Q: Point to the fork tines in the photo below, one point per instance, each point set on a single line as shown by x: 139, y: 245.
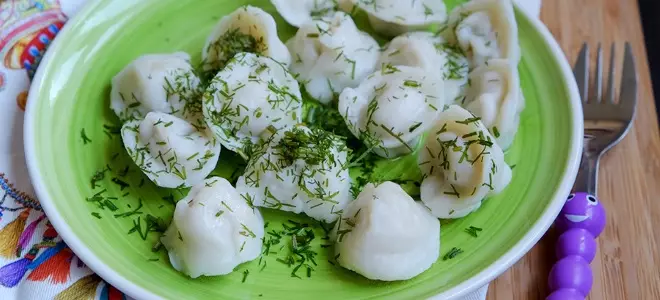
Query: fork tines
x: 627, y: 97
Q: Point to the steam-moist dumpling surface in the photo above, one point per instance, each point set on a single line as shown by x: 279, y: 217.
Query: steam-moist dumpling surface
x: 432, y: 53
x: 385, y: 235
x: 486, y: 29
x: 462, y: 164
x: 300, y: 170
x: 394, y: 17
x: 299, y: 12
x: 330, y: 54
x: 247, y: 29
x: 495, y: 96
x: 157, y: 83
x: 169, y: 150
x: 392, y: 108
x: 213, y: 230
x: 252, y: 93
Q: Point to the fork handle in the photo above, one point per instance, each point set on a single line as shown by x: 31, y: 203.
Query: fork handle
x: 580, y: 221
x: 587, y: 177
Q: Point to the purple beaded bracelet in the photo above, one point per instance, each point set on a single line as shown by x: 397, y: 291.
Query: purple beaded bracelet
x: 580, y: 222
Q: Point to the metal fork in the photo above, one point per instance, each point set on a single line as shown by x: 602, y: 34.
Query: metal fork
x: 582, y: 218
x: 605, y: 122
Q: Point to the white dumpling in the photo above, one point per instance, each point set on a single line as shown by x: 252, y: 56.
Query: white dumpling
x: 432, y: 53
x: 299, y: 12
x: 486, y: 29
x: 252, y: 93
x: 159, y: 83
x: 213, y: 230
x: 170, y: 151
x: 392, y: 108
x: 495, y: 96
x: 462, y: 164
x: 394, y: 17
x: 331, y: 54
x: 385, y: 235
x: 247, y: 29
x: 300, y: 170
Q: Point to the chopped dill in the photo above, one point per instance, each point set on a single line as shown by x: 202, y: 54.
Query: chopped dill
x: 473, y: 231
x: 84, y: 137
x: 245, y: 275
x: 496, y: 132
x: 98, y: 176
x: 452, y: 253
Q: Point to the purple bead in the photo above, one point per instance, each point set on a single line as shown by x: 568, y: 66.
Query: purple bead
x: 582, y: 211
x: 576, y: 241
x: 565, y: 294
x: 571, y: 272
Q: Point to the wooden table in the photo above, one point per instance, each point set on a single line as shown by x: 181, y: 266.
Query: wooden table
x: 627, y: 265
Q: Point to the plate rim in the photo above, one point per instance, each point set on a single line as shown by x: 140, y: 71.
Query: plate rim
x: 482, y: 278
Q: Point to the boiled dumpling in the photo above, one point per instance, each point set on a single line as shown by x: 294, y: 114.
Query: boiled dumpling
x: 299, y: 12
x: 385, y: 235
x: 331, y: 54
x: 159, y: 83
x: 486, y: 29
x: 213, y: 230
x: 247, y: 29
x: 300, y: 170
x: 496, y: 98
x: 462, y: 164
x: 392, y: 108
x: 432, y: 53
x: 252, y: 93
x: 394, y: 17
x: 170, y: 151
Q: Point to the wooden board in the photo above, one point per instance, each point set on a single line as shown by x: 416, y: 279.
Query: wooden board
x: 627, y: 265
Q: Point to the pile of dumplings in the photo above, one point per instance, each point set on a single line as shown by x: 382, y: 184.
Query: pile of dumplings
x: 451, y: 96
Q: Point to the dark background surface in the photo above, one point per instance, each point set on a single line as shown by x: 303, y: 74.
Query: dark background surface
x: 650, y: 13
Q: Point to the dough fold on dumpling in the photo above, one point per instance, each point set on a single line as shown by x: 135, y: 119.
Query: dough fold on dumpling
x: 157, y: 83
x: 392, y: 108
x: 435, y: 55
x: 247, y: 29
x: 252, y: 93
x: 385, y: 235
x: 462, y: 164
x: 299, y: 12
x: 330, y: 54
x: 300, y: 170
x: 170, y: 151
x: 485, y: 29
x: 394, y: 17
x: 213, y: 230
x: 495, y: 96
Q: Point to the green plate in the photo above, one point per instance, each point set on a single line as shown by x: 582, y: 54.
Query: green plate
x: 71, y: 93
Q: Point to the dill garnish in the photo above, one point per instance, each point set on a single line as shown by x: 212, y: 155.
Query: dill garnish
x: 473, y: 231
x: 452, y: 253
x: 496, y: 132
x: 245, y: 275
x: 469, y: 120
x: 297, y: 238
x: 133, y: 212
x: 122, y: 184
x: 84, y: 137
x: 414, y: 126
x: 454, y: 192
x: 97, y: 215
x: 229, y: 44
x: 98, y: 176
